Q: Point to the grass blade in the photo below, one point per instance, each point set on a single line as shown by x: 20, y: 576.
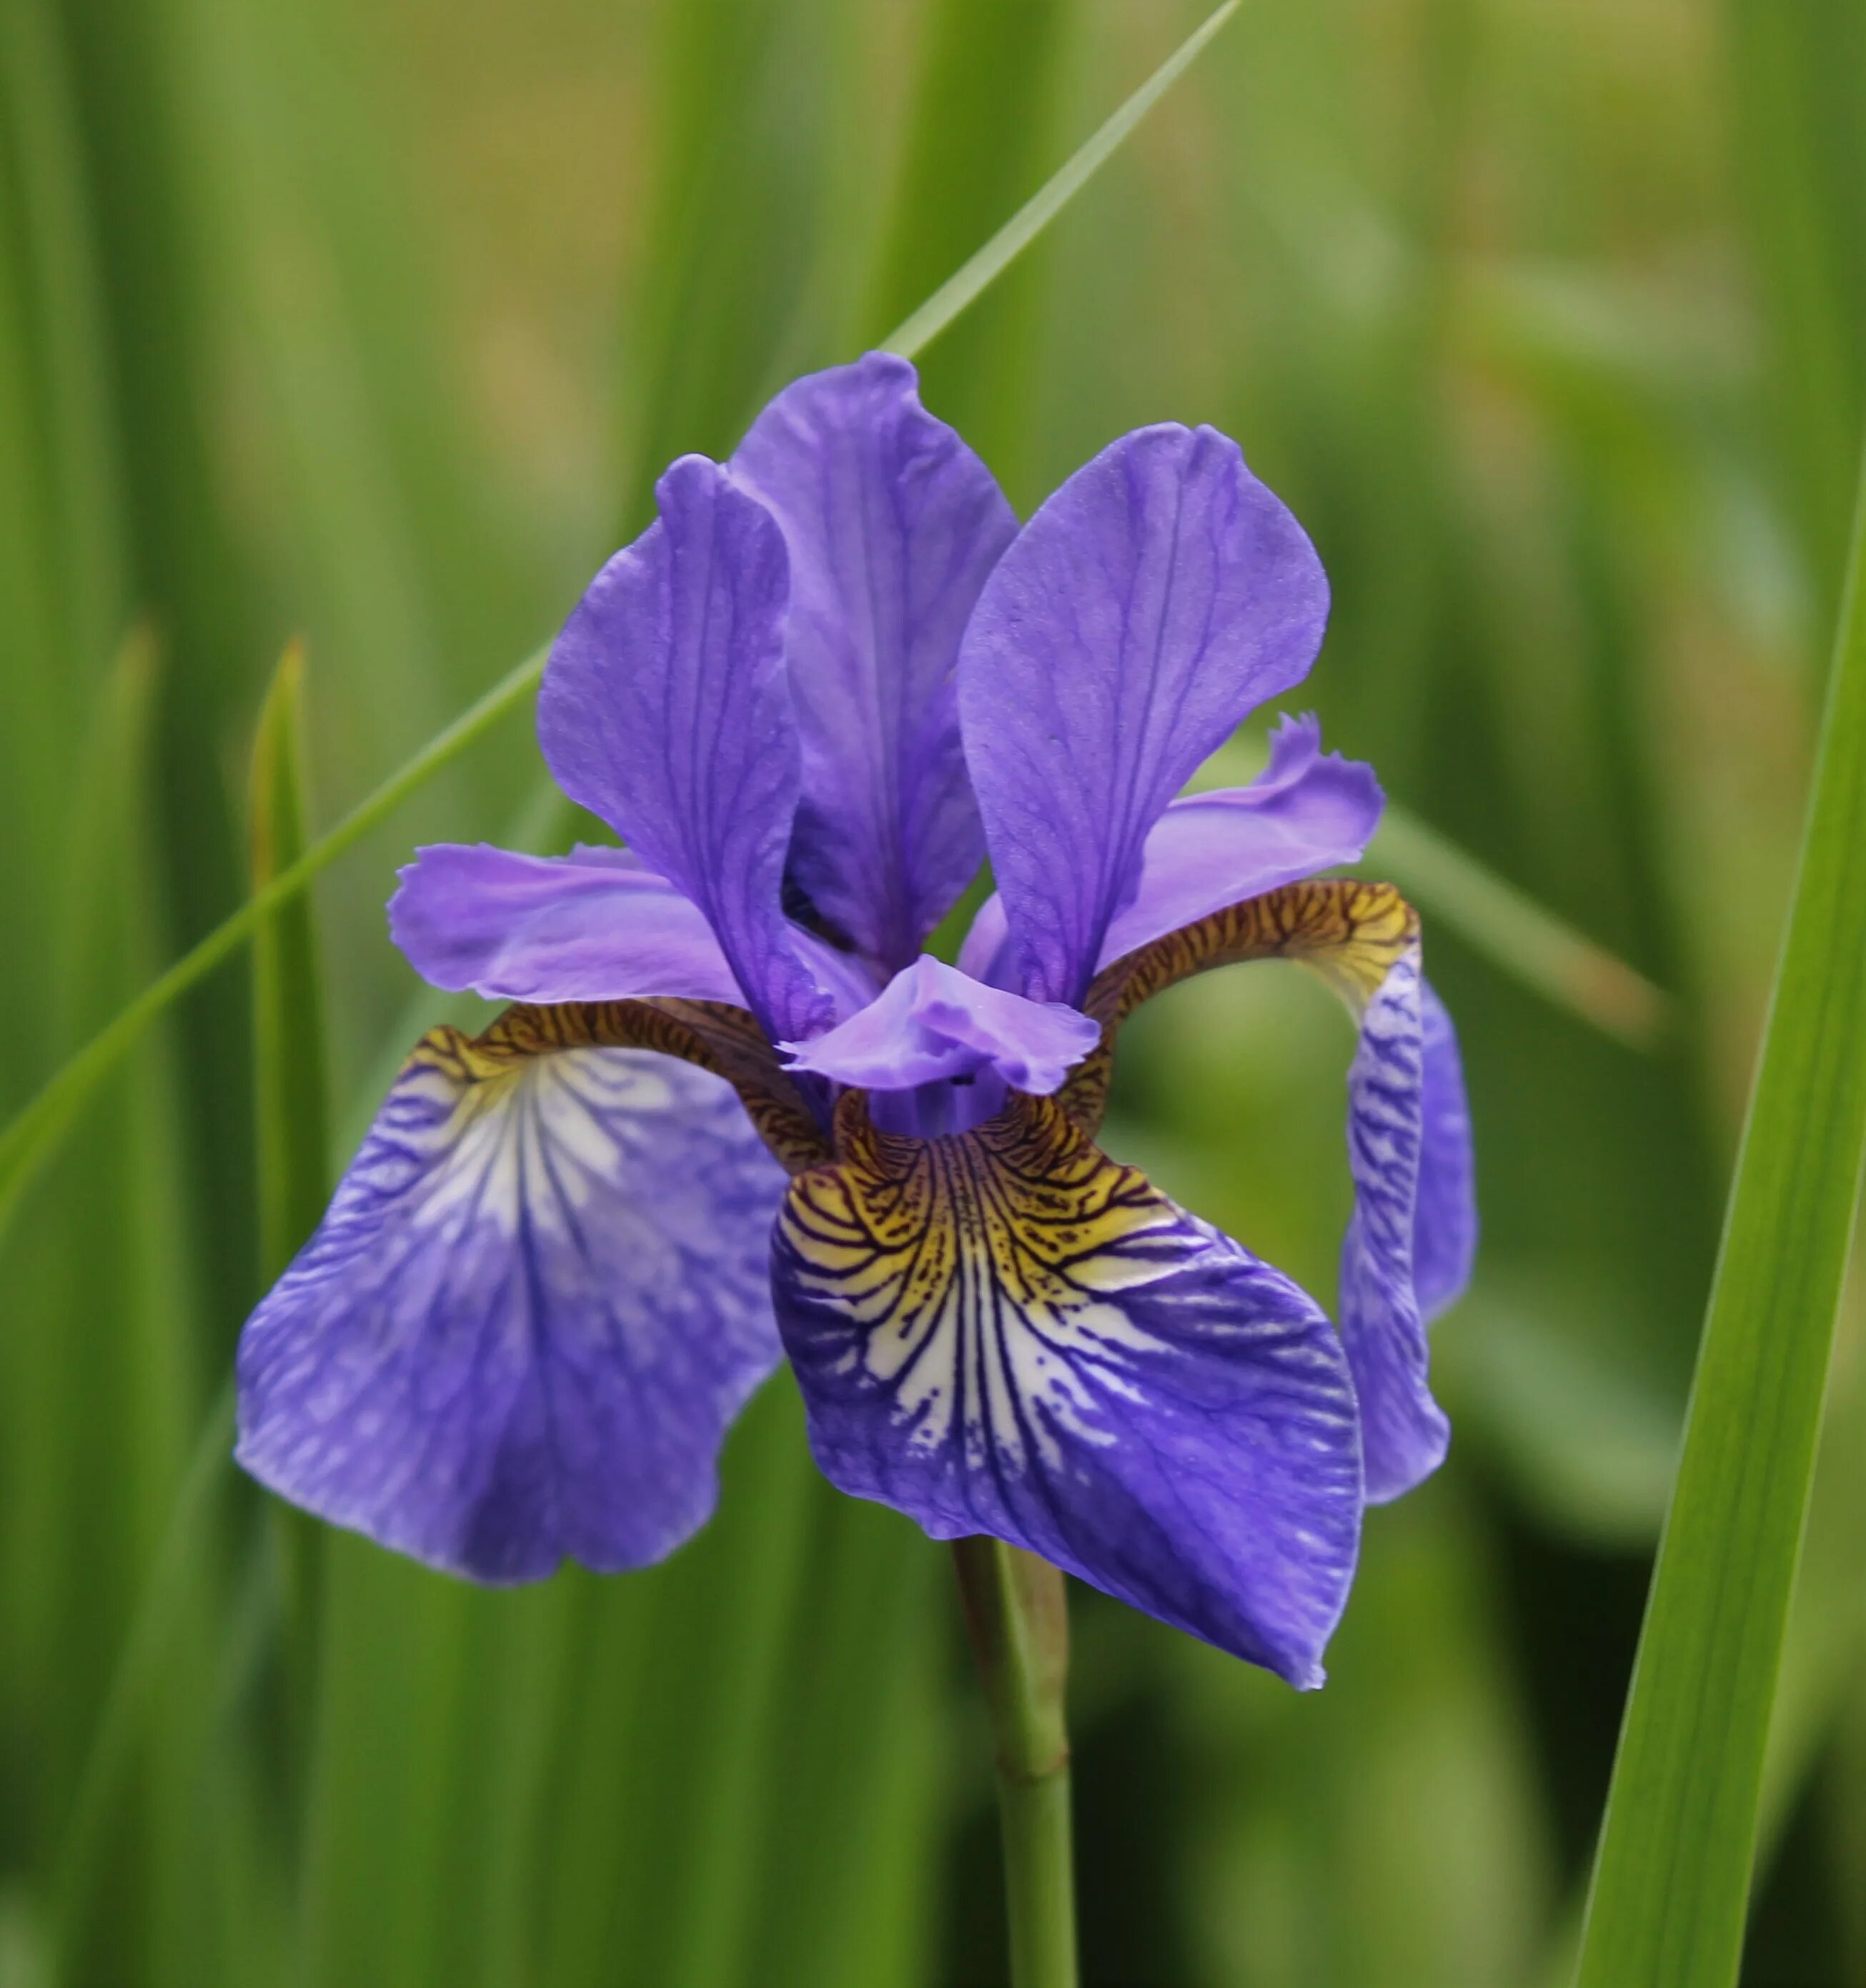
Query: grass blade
x: 124, y: 1300
x: 983, y: 268
x: 1672, y: 1877
x: 291, y: 1113
x: 979, y: 127
x: 288, y: 1018
x: 34, y: 1132
x: 1505, y: 925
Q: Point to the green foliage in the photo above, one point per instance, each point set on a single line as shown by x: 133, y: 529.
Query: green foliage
x: 374, y: 324
x: 1672, y: 1877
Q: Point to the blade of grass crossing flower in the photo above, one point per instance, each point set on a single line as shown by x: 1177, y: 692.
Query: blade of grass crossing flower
x: 739, y: 98
x: 983, y: 107
x: 34, y: 1131
x: 1514, y: 933
x: 966, y: 284
x: 290, y: 1113
x: 1671, y: 1878
x: 1505, y: 925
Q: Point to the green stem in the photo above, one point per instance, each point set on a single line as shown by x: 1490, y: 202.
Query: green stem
x: 1017, y: 1616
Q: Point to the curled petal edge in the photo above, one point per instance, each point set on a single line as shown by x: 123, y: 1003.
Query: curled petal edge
x: 1363, y: 939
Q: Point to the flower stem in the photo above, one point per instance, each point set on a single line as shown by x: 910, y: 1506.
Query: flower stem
x: 1017, y: 1616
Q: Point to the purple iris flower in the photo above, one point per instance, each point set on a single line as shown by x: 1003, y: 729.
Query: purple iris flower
x: 737, y: 1112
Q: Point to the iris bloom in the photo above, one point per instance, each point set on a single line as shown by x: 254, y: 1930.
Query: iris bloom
x: 738, y: 1113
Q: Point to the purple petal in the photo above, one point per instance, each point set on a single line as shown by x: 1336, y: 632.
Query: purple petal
x: 985, y: 951
x: 892, y: 524
x: 1307, y: 812
x: 1404, y: 1431
x: 1445, y: 1223
x: 1005, y: 1333
x: 1151, y: 605
x: 538, y: 1298
x: 665, y: 710
x: 590, y: 926
x: 934, y: 1023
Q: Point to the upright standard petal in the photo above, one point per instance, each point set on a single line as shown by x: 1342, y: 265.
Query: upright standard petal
x: 1363, y: 939
x: 892, y: 524
x: 665, y: 710
x: 1005, y: 1333
x: 538, y: 1298
x: 591, y: 926
x: 1155, y: 601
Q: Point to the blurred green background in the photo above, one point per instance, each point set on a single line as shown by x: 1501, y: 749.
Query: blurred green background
x: 371, y: 324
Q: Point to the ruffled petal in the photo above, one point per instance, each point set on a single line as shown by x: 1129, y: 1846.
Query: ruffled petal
x: 892, y: 524
x: 1152, y: 604
x: 1005, y: 1333
x: 934, y: 1023
x: 591, y: 926
x: 665, y: 710
x: 1404, y: 1431
x: 538, y: 1299
x: 1445, y: 1225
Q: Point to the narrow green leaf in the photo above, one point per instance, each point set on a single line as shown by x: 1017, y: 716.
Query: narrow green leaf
x: 1672, y: 1880
x: 118, y: 1621
x: 137, y: 1675
x: 289, y: 1090
x: 291, y: 1110
x: 968, y: 282
x: 35, y: 1130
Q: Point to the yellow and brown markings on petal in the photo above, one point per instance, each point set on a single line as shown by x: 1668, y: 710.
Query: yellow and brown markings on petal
x: 976, y: 1270
x: 714, y: 1035
x: 1350, y: 933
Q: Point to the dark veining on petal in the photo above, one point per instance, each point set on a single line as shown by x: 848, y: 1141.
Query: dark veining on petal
x: 712, y: 1034
x: 1350, y: 932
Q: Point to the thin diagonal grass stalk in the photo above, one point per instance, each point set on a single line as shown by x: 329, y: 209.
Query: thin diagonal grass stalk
x: 920, y: 328
x: 1493, y: 917
x: 1672, y: 1880
x: 33, y: 1134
